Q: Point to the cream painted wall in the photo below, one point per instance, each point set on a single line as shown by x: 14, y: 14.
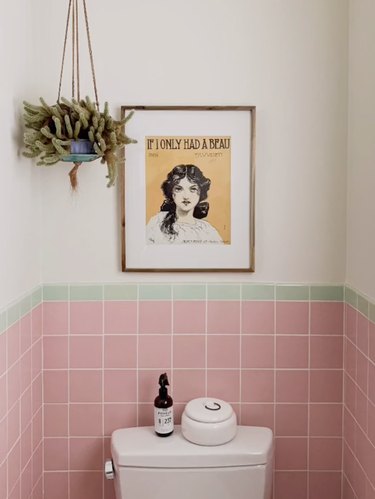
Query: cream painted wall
x: 361, y: 149
x: 20, y: 200
x: 289, y: 58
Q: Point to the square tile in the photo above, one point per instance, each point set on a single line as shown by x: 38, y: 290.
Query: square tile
x: 223, y: 317
x: 120, y: 386
x: 189, y: 351
x: 224, y: 385
x: 290, y: 454
x: 223, y: 351
x: 292, y: 386
x: 86, y: 317
x: 325, y: 454
x: 257, y: 351
x: 326, y: 386
x: 55, y: 318
x: 56, y: 454
x: 291, y: 420
x: 86, y: 454
x: 120, y: 351
x: 327, y: 318
x: 120, y: 317
x: 326, y: 352
x: 188, y: 384
x: 85, y: 352
x: 85, y: 420
x: 325, y: 485
x: 258, y: 317
x: 55, y: 352
x: 154, y: 351
x: 189, y: 317
x: 85, y: 385
x: 258, y: 415
x: 292, y: 317
x: 55, y: 386
x: 257, y: 385
x: 292, y: 351
x: 290, y: 485
x: 119, y: 416
x: 155, y: 317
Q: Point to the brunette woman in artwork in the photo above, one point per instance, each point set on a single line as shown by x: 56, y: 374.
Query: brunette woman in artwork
x: 180, y: 218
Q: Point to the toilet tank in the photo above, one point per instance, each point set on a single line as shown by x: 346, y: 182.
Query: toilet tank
x: 149, y: 467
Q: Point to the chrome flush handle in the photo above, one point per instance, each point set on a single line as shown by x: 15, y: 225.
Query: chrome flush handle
x: 109, y: 472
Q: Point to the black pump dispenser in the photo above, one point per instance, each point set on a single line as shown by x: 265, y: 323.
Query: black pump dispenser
x: 163, y: 409
x: 163, y: 382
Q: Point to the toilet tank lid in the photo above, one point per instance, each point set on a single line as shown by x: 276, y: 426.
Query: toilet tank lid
x: 140, y: 447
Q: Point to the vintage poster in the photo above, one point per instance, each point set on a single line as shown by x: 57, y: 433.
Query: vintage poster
x: 188, y: 190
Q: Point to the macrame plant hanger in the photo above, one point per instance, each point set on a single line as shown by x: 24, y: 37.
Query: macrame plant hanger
x: 81, y: 151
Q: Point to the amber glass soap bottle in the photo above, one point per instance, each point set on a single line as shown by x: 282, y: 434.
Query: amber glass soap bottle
x: 163, y: 409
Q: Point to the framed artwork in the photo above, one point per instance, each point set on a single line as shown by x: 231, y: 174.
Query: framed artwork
x: 187, y: 189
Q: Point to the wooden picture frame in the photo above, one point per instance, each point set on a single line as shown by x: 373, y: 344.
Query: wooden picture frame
x: 187, y: 189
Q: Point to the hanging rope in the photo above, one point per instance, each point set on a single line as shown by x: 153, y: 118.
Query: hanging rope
x: 91, y: 55
x: 74, y: 27
x: 77, y: 50
x: 73, y: 15
x: 64, y: 49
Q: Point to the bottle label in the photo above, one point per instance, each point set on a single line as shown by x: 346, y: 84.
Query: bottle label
x: 163, y: 419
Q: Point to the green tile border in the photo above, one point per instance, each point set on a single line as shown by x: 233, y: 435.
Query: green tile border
x: 86, y: 292
x: 120, y: 292
x: 3, y: 321
x: 255, y: 292
x: 25, y: 305
x: 372, y: 312
x: 292, y: 292
x: 189, y: 292
x: 36, y: 297
x: 360, y: 303
x: 55, y: 292
x: 326, y: 293
x: 363, y: 306
x: 185, y: 291
x: 155, y: 291
x: 13, y: 314
x: 227, y: 292
x: 351, y: 297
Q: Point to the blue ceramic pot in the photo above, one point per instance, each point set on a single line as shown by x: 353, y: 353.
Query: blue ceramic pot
x: 81, y: 146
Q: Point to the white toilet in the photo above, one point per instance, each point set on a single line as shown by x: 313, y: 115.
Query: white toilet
x: 149, y: 467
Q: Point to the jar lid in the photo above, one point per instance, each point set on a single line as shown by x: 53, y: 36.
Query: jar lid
x: 208, y: 410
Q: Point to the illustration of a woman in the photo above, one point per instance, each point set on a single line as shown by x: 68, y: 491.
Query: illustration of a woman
x: 180, y: 218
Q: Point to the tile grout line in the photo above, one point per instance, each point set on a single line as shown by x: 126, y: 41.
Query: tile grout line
x: 137, y: 359
x: 206, y: 342
x: 274, y: 386
x: 102, y: 384
x: 308, y: 396
x: 6, y: 402
x: 171, y: 342
x: 343, y: 397
x: 42, y: 375
x: 240, y: 354
x: 368, y: 374
x: 69, y: 413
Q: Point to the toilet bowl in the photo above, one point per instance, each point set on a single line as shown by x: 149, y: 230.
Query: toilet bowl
x: 148, y: 467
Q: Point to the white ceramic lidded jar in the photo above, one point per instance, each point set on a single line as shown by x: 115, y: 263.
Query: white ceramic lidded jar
x: 208, y: 421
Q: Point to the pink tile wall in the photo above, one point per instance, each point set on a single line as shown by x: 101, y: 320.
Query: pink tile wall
x: 21, y: 411
x: 359, y: 406
x: 278, y: 363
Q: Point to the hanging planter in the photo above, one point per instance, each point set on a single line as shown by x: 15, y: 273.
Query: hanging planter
x: 74, y: 130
